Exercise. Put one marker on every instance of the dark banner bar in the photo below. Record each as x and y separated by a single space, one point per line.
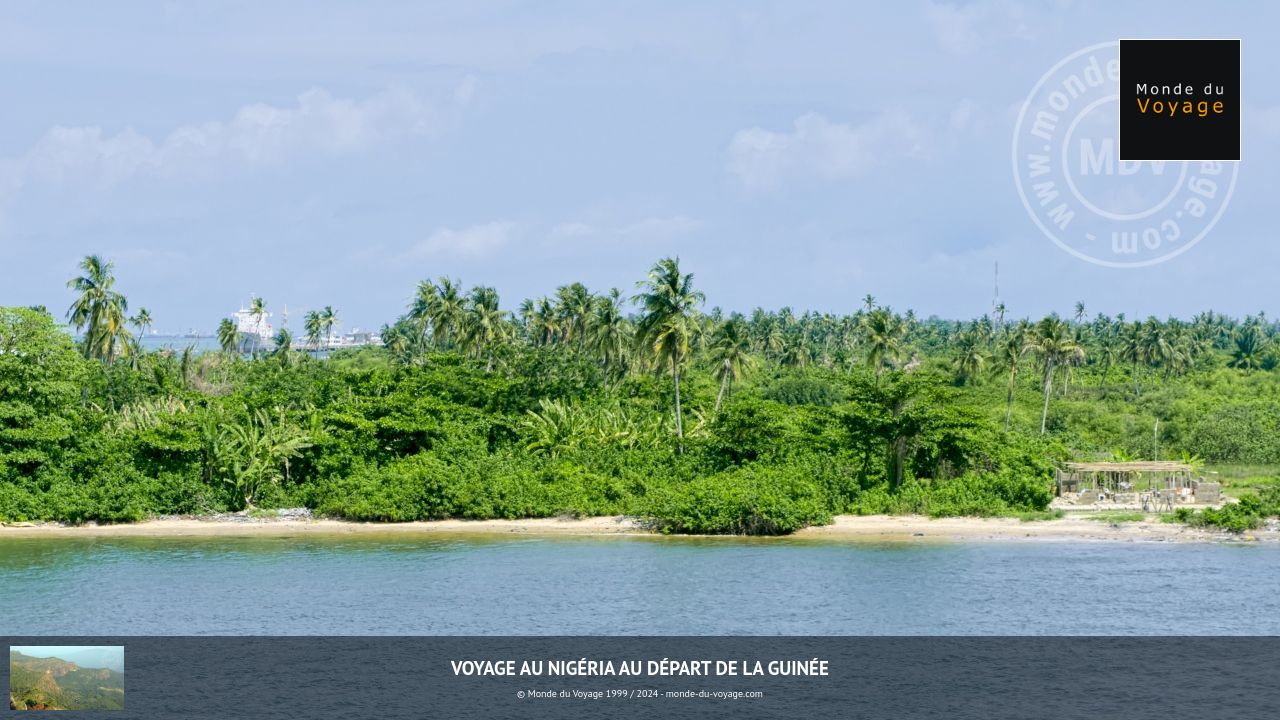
691 677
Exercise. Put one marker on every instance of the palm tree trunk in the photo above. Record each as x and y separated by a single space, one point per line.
724 382
897 449
1008 412
899 460
1048 390
675 374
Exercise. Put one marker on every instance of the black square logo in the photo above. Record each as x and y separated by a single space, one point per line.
1179 99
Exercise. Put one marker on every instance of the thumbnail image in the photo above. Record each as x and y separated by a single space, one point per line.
66 677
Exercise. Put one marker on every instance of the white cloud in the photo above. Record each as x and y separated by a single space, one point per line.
954 28
257 135
1264 121
964 115
817 147
963 28
647 229
465 91
476 241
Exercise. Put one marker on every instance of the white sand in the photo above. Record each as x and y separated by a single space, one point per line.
910 528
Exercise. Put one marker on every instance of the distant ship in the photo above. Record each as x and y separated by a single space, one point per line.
257 331
355 338
254 328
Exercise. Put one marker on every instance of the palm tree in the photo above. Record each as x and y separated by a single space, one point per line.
328 318
1011 350
668 304
775 343
541 322
313 325
574 304
421 309
228 336
794 353
730 353
1134 349
608 330
1158 343
185 363
283 350
99 310
258 311
1251 348
142 321
1052 341
484 324
883 333
1108 350
970 360
448 313
396 340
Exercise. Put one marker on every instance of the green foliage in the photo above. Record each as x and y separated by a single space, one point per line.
804 390
742 501
426 487
975 494
1245 432
40 385
1248 514
701 422
557 426
256 452
750 430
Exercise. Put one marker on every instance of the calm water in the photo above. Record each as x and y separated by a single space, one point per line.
630 586
178 344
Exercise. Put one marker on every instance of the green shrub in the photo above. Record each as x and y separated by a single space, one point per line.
743 501
413 488
805 391
427 487
978 494
1248 514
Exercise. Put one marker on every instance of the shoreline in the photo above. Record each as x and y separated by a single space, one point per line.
851 528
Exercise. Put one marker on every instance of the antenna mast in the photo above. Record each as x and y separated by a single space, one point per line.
995 298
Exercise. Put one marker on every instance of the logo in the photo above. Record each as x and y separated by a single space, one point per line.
1180 100
1082 196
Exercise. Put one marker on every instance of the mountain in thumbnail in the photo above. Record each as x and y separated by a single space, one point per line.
51 683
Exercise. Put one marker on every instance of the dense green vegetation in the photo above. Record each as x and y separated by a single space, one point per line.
1248 514
55 684
586 404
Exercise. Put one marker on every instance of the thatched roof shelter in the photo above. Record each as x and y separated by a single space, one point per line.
1140 466
1115 477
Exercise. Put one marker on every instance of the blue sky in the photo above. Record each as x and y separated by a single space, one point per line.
800 154
89 656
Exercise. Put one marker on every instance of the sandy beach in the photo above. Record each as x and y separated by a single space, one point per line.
872 528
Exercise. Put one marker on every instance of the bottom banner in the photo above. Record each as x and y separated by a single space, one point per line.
626 677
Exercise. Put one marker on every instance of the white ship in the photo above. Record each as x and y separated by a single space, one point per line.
257 332
254 329
339 341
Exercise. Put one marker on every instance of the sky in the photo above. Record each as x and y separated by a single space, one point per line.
87 656
791 154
